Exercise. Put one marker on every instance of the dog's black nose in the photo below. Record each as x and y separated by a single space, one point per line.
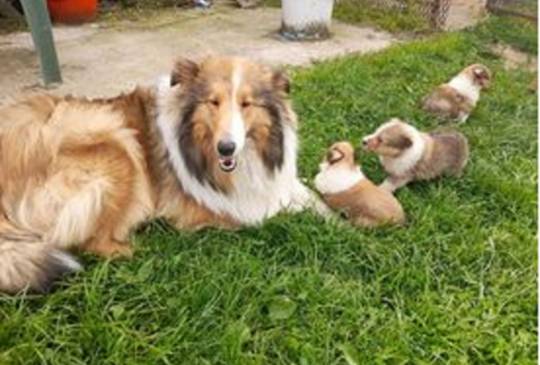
226 148
364 142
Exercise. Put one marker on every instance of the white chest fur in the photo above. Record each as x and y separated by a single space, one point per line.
464 85
332 180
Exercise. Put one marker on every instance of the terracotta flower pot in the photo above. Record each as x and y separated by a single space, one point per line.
72 11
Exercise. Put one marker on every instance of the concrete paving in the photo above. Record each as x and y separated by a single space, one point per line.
103 59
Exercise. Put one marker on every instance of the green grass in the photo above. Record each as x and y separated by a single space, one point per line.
520 33
456 286
393 20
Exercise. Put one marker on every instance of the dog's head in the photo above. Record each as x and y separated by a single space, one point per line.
391 139
223 105
338 170
339 154
479 74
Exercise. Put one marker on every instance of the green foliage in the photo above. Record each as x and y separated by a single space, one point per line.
456 285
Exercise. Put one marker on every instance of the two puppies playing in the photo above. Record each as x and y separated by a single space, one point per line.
405 153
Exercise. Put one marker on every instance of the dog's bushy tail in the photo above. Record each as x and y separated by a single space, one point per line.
27 262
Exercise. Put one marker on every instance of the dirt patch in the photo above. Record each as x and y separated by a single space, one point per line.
104 59
514 58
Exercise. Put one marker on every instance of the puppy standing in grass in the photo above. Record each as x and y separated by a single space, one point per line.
345 188
456 99
408 154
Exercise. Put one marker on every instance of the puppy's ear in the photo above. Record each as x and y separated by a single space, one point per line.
482 76
334 155
281 81
184 72
402 142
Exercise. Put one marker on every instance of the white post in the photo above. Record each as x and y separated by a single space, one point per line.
306 19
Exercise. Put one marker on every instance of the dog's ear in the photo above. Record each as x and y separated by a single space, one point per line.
334 155
184 72
401 142
281 81
482 75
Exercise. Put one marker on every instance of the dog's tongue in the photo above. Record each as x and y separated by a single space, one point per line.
227 163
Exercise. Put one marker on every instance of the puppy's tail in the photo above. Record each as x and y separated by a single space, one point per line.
27 262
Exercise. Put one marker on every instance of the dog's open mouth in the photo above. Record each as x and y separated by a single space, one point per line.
227 164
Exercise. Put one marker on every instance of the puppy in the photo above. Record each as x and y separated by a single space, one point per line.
456 99
408 154
345 188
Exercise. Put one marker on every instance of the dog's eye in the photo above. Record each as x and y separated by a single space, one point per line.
245 104
214 102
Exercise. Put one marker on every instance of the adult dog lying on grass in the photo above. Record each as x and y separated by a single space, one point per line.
214 145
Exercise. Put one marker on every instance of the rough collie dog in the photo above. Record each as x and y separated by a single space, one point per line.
213 145
408 154
456 99
346 189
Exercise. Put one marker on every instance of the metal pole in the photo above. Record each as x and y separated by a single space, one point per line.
37 17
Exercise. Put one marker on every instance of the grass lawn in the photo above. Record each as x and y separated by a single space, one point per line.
457 285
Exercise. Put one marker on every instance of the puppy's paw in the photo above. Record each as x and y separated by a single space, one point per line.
387 186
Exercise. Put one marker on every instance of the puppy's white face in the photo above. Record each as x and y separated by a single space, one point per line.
338 171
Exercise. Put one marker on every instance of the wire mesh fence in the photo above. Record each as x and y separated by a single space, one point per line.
432 13
436 12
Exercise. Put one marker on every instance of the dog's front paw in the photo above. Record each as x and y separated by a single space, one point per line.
110 248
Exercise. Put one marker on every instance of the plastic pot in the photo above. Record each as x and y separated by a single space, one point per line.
72 11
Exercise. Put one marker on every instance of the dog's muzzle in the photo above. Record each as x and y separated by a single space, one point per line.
370 143
226 150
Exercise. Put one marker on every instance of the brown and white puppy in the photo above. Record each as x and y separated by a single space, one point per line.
456 99
346 189
213 145
408 154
